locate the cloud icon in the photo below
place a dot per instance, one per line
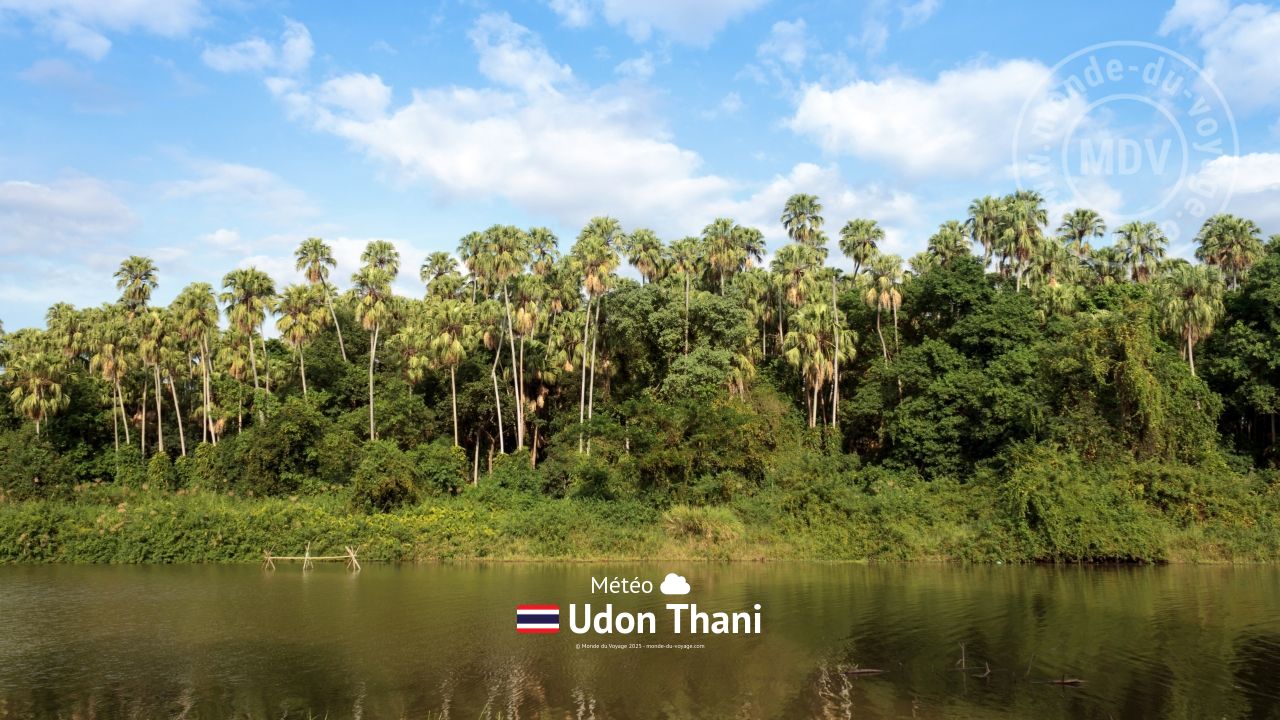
(674, 584)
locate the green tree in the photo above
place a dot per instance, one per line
(136, 278)
(315, 260)
(1143, 246)
(301, 315)
(859, 241)
(1231, 243)
(34, 372)
(371, 286)
(802, 218)
(1078, 226)
(1191, 303)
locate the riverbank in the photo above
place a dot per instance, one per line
(1165, 516)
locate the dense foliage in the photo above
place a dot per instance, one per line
(1043, 399)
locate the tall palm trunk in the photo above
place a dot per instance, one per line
(115, 426)
(302, 370)
(883, 347)
(497, 396)
(208, 391)
(515, 372)
(686, 313)
(123, 417)
(328, 299)
(266, 360)
(143, 438)
(591, 393)
(582, 393)
(373, 354)
(159, 406)
(835, 360)
(177, 413)
(453, 393)
(1191, 356)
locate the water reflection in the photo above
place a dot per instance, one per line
(839, 641)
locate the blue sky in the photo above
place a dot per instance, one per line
(211, 134)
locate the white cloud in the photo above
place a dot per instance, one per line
(1256, 180)
(674, 584)
(81, 25)
(36, 218)
(691, 23)
(787, 43)
(1239, 48)
(919, 12)
(639, 68)
(222, 238)
(237, 187)
(1199, 15)
(573, 13)
(513, 56)
(256, 55)
(363, 96)
(962, 123)
(878, 14)
(538, 139)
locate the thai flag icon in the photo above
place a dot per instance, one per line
(541, 619)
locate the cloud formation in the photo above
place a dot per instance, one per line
(82, 25)
(291, 55)
(690, 23)
(959, 124)
(1239, 46)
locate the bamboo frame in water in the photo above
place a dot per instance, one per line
(268, 560)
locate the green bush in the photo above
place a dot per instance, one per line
(160, 472)
(30, 467)
(440, 467)
(384, 480)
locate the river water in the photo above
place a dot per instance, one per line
(439, 641)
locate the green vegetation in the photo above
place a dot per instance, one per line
(1047, 400)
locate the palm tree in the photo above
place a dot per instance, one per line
(150, 347)
(1143, 245)
(248, 294)
(949, 243)
(543, 251)
(983, 224)
(136, 278)
(723, 253)
(301, 317)
(196, 311)
(439, 272)
(372, 288)
(802, 218)
(596, 256)
(1231, 243)
(1109, 265)
(795, 265)
(1022, 224)
(452, 331)
(34, 371)
(881, 293)
(686, 261)
(645, 253)
(1191, 302)
(315, 260)
(111, 358)
(859, 240)
(1078, 226)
